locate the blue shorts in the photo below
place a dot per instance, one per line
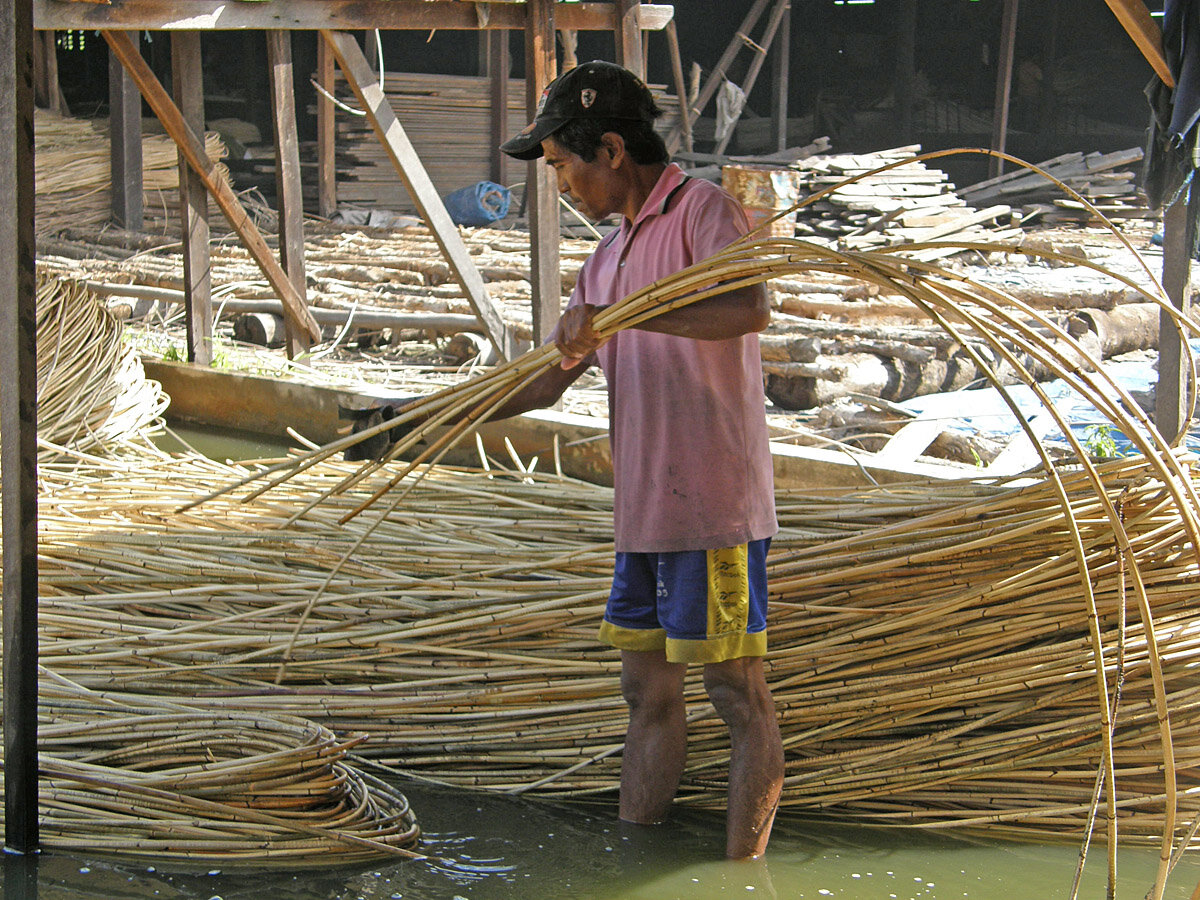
(698, 605)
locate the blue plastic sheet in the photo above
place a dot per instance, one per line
(479, 204)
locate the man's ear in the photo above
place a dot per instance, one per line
(614, 144)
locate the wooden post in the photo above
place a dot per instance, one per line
(125, 131)
(1004, 71)
(780, 77)
(18, 422)
(408, 165)
(684, 132)
(628, 35)
(188, 89)
(1171, 402)
(288, 190)
(326, 133)
(192, 148)
(541, 184)
(498, 64)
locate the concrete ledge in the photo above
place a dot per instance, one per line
(269, 406)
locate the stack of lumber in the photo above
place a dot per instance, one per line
(1099, 177)
(447, 118)
(72, 163)
(908, 203)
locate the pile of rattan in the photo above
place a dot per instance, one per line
(1017, 654)
(165, 780)
(92, 391)
(74, 177)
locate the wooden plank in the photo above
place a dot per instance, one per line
(18, 421)
(408, 165)
(316, 15)
(125, 132)
(187, 86)
(326, 133)
(288, 189)
(541, 182)
(1147, 35)
(193, 149)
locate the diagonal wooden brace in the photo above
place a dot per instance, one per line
(191, 147)
(408, 166)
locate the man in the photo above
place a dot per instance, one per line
(694, 498)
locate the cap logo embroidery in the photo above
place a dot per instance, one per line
(587, 97)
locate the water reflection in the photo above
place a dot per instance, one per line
(486, 847)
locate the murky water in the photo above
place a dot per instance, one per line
(488, 847)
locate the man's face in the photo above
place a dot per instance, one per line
(590, 186)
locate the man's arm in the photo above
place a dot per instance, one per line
(746, 310)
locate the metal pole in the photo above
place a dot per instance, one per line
(18, 424)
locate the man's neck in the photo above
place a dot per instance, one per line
(642, 179)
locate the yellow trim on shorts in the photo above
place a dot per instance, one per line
(715, 650)
(632, 638)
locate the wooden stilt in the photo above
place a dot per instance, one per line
(541, 186)
(288, 190)
(187, 86)
(193, 149)
(18, 421)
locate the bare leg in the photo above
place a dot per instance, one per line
(656, 743)
(738, 689)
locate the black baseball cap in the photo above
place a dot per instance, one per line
(594, 90)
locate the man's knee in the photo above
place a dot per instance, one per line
(652, 685)
(738, 690)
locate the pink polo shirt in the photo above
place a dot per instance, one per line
(691, 463)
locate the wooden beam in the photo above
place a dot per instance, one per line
(1004, 70)
(326, 133)
(390, 132)
(1147, 35)
(498, 65)
(759, 54)
(685, 119)
(18, 421)
(125, 146)
(315, 15)
(188, 89)
(288, 190)
(628, 35)
(780, 78)
(192, 148)
(1171, 401)
(541, 185)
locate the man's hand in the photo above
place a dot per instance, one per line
(376, 446)
(573, 335)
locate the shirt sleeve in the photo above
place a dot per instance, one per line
(715, 220)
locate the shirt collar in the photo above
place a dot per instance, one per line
(656, 204)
